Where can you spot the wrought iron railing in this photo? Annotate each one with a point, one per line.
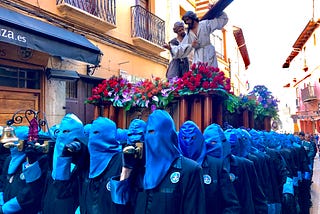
(147, 25)
(308, 93)
(103, 9)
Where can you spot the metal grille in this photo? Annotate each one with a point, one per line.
(71, 89)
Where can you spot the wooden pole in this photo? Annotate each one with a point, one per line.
(207, 111)
(197, 111)
(245, 117)
(183, 110)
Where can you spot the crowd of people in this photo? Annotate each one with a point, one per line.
(151, 167)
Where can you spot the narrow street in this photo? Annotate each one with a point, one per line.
(315, 187)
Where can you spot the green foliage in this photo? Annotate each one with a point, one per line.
(260, 100)
(232, 103)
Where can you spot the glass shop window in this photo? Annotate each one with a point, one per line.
(19, 78)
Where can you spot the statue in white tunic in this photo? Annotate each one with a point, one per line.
(198, 38)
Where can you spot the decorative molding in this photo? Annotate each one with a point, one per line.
(146, 45)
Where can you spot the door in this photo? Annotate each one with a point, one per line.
(76, 95)
(143, 3)
(12, 101)
(19, 90)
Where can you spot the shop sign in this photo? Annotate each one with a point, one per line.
(11, 35)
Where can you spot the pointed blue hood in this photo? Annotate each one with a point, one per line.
(102, 145)
(160, 140)
(233, 139)
(136, 131)
(245, 142)
(216, 142)
(191, 142)
(70, 128)
(122, 136)
(86, 130)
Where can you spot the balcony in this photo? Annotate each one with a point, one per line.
(147, 30)
(298, 103)
(308, 94)
(97, 15)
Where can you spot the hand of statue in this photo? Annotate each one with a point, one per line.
(195, 44)
(166, 46)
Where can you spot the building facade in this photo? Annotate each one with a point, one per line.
(305, 83)
(121, 36)
(52, 53)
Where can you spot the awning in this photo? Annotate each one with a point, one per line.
(301, 41)
(238, 35)
(24, 31)
(65, 75)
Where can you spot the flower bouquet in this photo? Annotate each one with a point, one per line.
(155, 93)
(115, 91)
(267, 103)
(158, 93)
(202, 79)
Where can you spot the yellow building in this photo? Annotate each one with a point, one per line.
(61, 37)
(53, 52)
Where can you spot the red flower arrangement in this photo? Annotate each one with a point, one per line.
(202, 78)
(154, 93)
(158, 93)
(115, 90)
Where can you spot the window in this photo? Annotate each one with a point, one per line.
(71, 89)
(217, 42)
(19, 78)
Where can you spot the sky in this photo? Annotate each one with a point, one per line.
(270, 29)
